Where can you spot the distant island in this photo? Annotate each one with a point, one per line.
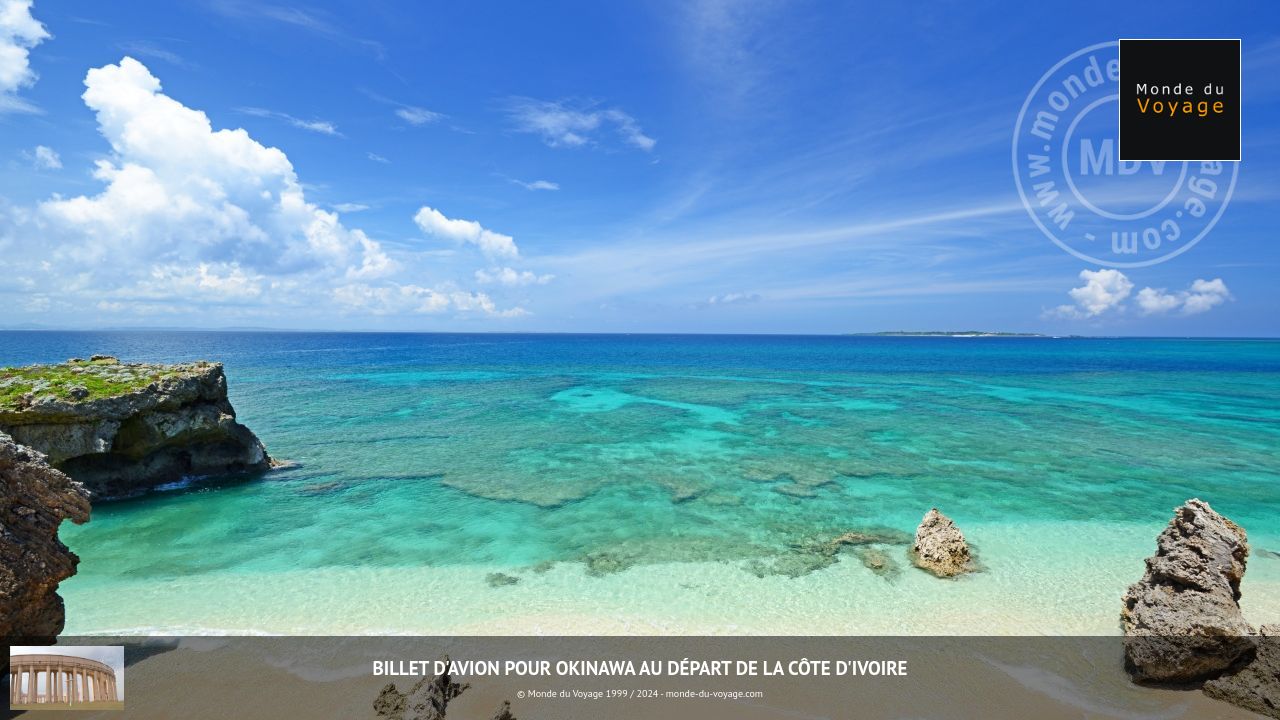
(949, 333)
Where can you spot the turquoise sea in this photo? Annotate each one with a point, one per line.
(462, 484)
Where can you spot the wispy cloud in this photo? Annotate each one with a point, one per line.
(413, 114)
(43, 158)
(536, 184)
(833, 260)
(377, 158)
(511, 277)
(143, 48)
(726, 42)
(324, 127)
(311, 20)
(733, 298)
(350, 207)
(417, 115)
(568, 124)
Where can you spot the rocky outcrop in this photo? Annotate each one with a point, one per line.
(1257, 686)
(34, 500)
(428, 699)
(940, 547)
(121, 429)
(1182, 621)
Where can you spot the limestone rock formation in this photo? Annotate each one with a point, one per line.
(940, 547)
(1182, 621)
(1257, 686)
(121, 429)
(34, 500)
(428, 699)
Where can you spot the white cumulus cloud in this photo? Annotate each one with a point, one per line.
(178, 190)
(19, 32)
(493, 245)
(1103, 290)
(209, 223)
(1107, 290)
(1202, 296)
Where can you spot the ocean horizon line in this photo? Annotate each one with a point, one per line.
(894, 334)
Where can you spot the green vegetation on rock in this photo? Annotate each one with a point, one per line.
(76, 380)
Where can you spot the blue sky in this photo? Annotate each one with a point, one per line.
(599, 167)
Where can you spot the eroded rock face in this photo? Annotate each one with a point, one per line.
(165, 423)
(428, 699)
(940, 547)
(1257, 686)
(1182, 620)
(34, 500)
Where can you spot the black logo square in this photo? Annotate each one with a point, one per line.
(1179, 99)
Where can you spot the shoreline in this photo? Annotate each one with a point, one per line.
(648, 600)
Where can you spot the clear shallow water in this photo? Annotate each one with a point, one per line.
(680, 483)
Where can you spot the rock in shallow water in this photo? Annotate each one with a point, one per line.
(1257, 686)
(940, 547)
(1182, 620)
(34, 500)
